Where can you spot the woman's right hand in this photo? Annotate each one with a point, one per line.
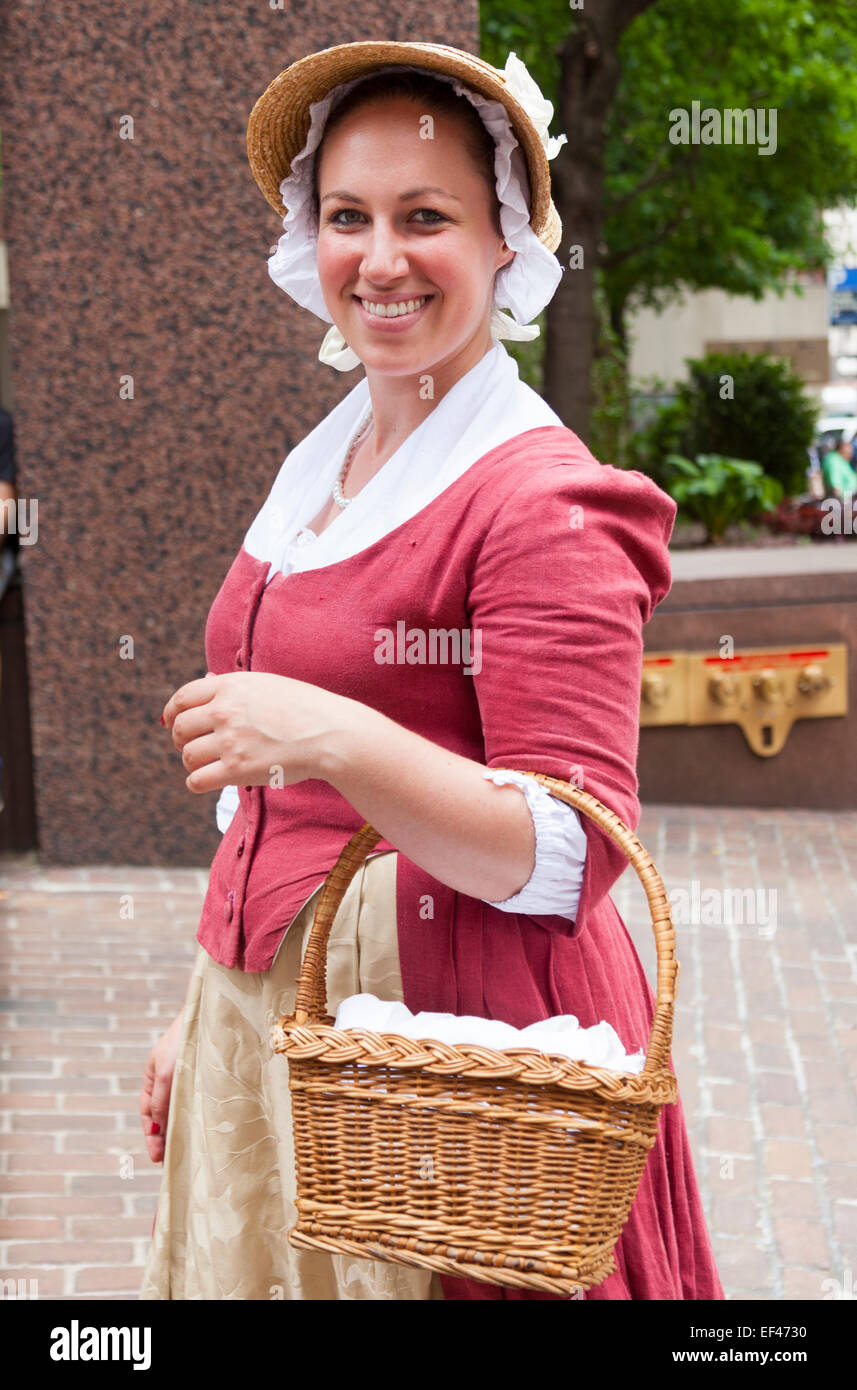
(157, 1085)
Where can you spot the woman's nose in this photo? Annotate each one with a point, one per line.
(384, 255)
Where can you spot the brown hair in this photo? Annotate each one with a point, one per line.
(427, 91)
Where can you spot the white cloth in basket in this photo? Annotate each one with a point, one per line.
(599, 1045)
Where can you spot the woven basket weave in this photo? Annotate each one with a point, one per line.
(516, 1168)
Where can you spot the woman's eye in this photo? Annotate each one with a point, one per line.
(335, 217)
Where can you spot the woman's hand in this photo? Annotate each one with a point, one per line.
(254, 729)
(157, 1085)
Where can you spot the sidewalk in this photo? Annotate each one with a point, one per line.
(765, 1048)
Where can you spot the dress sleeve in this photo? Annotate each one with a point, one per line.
(554, 885)
(572, 565)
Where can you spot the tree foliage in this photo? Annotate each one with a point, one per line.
(692, 217)
(680, 218)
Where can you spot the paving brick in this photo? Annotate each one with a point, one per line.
(84, 1142)
(729, 1135)
(63, 1163)
(801, 1240)
(807, 1285)
(787, 1158)
(63, 1121)
(44, 1103)
(56, 1085)
(736, 1215)
(729, 1097)
(841, 1179)
(20, 1228)
(779, 1087)
(766, 1030)
(783, 1121)
(27, 1143)
(741, 1263)
(770, 1055)
(831, 1107)
(141, 1181)
(103, 1228)
(795, 1198)
(837, 1143)
(70, 1252)
(810, 1025)
(65, 1206)
(845, 1221)
(727, 1063)
(127, 1278)
(33, 1182)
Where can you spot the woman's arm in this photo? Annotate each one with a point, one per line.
(435, 806)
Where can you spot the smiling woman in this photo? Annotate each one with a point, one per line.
(407, 221)
(441, 495)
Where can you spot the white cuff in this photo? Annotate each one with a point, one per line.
(554, 885)
(227, 805)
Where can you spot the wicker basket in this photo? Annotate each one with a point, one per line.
(514, 1168)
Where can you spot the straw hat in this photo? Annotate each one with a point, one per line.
(280, 120)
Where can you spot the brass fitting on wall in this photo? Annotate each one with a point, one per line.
(764, 689)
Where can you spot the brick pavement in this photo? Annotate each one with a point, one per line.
(96, 962)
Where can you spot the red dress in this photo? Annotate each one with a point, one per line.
(556, 561)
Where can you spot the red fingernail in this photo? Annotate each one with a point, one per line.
(156, 1128)
(163, 720)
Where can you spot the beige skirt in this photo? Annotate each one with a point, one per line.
(227, 1194)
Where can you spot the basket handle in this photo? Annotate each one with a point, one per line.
(311, 998)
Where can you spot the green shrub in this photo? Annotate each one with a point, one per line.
(738, 406)
(719, 491)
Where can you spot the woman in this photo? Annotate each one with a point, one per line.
(440, 507)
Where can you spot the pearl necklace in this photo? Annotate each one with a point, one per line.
(338, 496)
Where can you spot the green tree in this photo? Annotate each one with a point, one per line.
(654, 218)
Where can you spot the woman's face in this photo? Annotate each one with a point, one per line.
(406, 221)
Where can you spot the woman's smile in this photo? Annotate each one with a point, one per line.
(395, 315)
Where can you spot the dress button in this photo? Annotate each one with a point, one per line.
(228, 905)
(240, 849)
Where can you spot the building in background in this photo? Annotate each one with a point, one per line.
(813, 325)
(794, 326)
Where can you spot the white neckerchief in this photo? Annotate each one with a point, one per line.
(487, 406)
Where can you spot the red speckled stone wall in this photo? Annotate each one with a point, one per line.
(145, 258)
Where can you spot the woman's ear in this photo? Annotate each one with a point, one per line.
(504, 255)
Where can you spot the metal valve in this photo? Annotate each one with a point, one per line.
(768, 685)
(812, 680)
(725, 689)
(655, 688)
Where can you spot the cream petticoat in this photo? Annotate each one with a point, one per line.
(227, 1194)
